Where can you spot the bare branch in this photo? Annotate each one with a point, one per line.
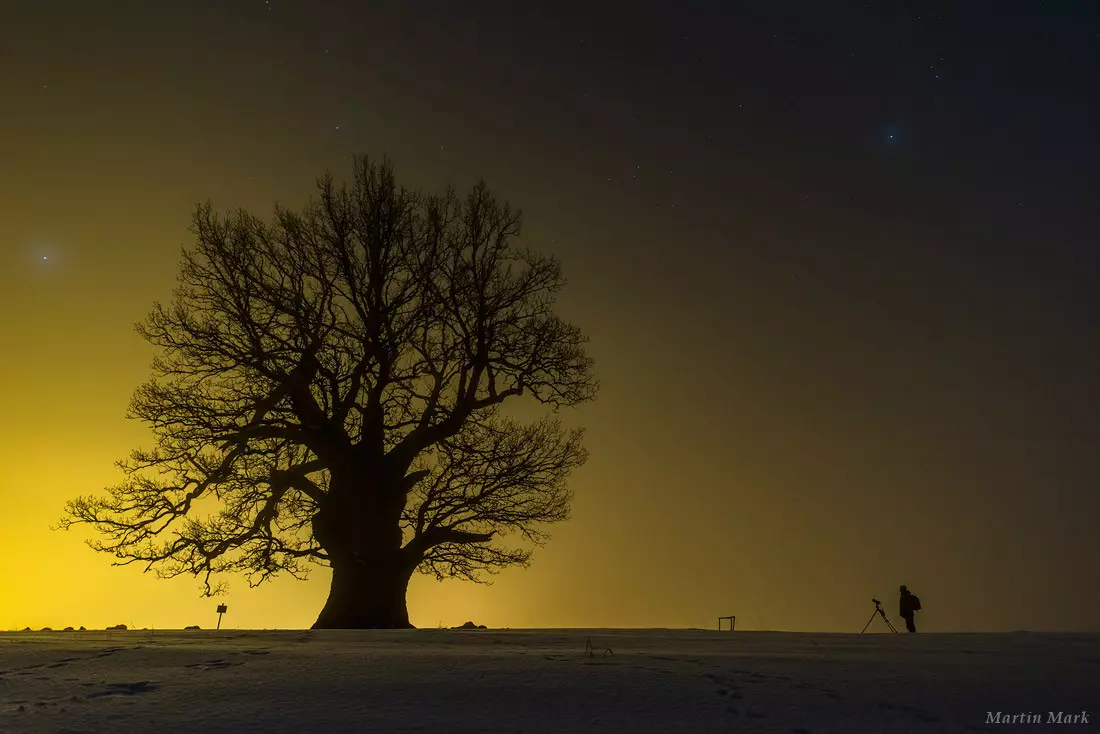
(327, 387)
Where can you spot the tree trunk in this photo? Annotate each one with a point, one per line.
(359, 526)
(367, 594)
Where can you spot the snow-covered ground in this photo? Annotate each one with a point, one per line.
(541, 681)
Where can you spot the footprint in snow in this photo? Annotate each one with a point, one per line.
(213, 665)
(124, 689)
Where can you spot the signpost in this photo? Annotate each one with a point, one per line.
(222, 609)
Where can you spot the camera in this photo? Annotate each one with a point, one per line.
(879, 611)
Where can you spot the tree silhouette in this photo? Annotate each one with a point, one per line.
(329, 389)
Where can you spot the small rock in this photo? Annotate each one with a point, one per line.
(470, 626)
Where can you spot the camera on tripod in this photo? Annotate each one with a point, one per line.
(880, 613)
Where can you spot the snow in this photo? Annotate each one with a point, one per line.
(539, 681)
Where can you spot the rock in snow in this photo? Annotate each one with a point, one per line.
(470, 626)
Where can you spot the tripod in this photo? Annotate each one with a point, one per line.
(878, 611)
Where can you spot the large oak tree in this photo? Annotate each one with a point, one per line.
(330, 387)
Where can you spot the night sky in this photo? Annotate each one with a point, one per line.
(838, 262)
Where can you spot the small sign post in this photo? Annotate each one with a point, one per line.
(222, 609)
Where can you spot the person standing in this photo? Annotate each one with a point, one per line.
(908, 605)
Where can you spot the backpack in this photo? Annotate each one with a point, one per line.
(916, 603)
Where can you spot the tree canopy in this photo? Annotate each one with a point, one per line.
(330, 387)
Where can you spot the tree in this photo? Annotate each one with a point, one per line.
(329, 389)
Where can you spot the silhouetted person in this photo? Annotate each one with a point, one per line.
(908, 606)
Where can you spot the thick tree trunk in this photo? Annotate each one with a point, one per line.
(359, 527)
(367, 594)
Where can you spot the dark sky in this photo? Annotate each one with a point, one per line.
(838, 262)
